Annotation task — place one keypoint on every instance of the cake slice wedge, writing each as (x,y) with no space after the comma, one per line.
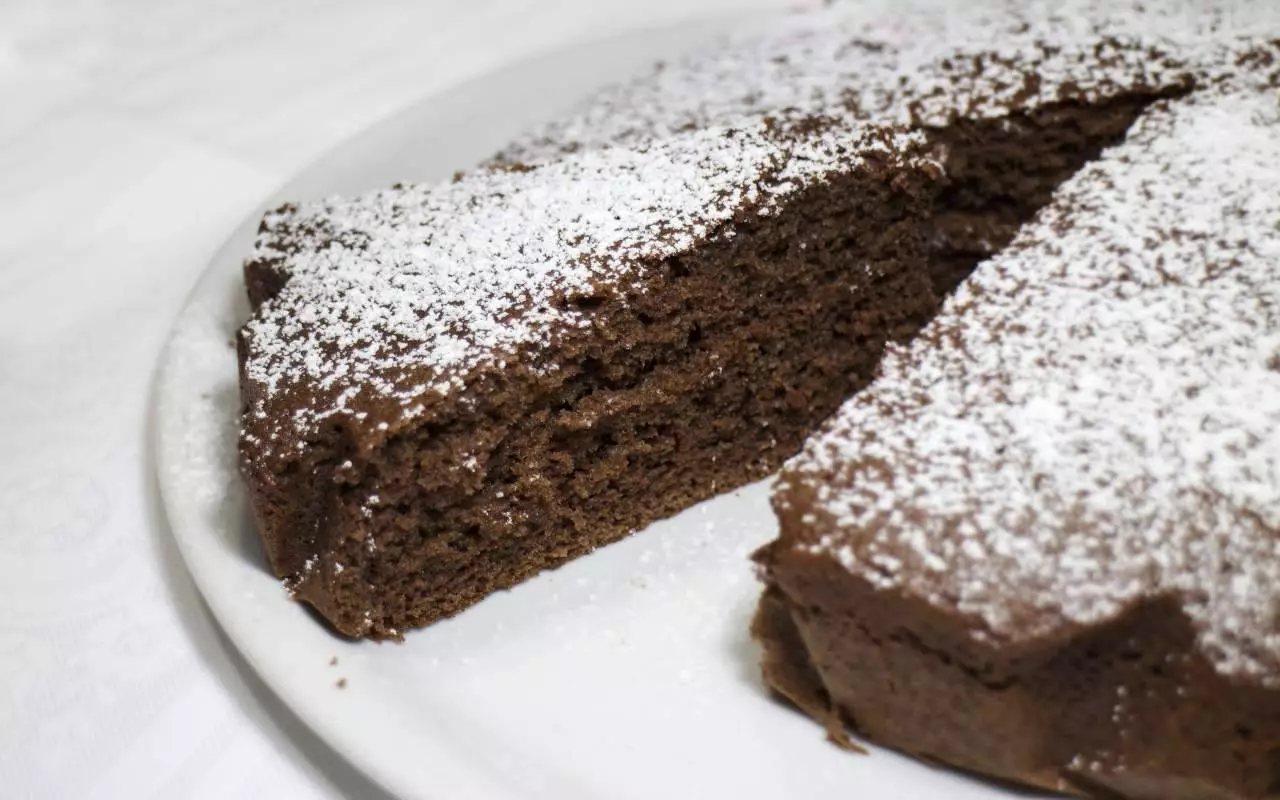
(449,389)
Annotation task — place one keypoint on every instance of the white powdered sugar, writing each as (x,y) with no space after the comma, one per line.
(1094,418)
(396,296)
(919,62)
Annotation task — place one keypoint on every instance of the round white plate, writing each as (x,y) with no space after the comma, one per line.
(626,674)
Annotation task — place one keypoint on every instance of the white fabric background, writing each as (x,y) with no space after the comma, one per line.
(134,135)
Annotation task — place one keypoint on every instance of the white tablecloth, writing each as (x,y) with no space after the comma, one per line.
(134,135)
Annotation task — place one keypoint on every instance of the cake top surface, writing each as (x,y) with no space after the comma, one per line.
(393,297)
(1094,417)
(915,62)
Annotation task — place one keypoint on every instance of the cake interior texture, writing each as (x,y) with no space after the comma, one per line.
(708,379)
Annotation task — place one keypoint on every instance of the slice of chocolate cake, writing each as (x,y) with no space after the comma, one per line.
(452,388)
(1045,543)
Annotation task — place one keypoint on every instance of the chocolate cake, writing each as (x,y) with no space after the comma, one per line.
(662,294)
(1044,544)
(453,388)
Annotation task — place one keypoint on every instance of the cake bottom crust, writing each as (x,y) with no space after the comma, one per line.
(1128,709)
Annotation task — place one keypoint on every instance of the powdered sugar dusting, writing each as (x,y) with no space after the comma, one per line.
(396,296)
(920,62)
(1094,418)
